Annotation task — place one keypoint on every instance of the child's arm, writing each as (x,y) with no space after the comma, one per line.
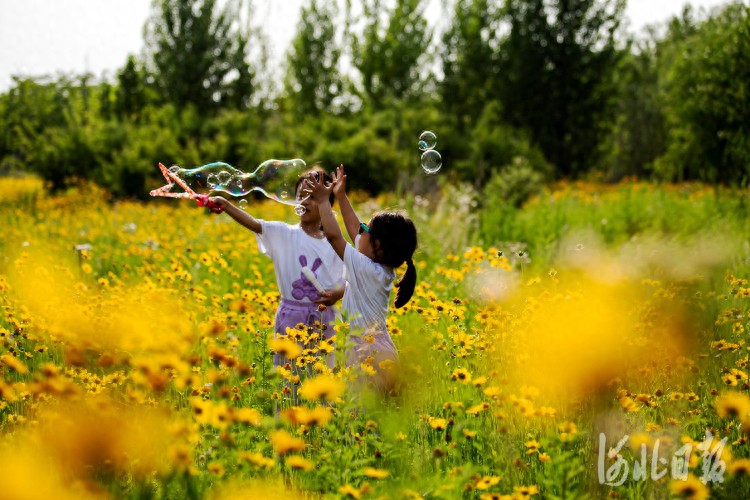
(237,214)
(320,193)
(351,221)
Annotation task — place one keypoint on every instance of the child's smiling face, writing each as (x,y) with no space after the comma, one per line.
(312,212)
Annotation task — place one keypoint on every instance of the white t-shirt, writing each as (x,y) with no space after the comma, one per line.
(290,248)
(367,292)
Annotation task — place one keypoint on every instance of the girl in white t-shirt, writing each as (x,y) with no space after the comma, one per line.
(387,241)
(292,248)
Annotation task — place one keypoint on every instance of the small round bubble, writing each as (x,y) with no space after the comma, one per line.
(427,140)
(213,180)
(284,195)
(431,161)
(243,204)
(174,169)
(300,210)
(224,178)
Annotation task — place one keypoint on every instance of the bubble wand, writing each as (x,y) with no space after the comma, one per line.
(201,199)
(276,179)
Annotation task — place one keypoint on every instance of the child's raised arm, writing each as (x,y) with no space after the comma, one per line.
(321,192)
(237,214)
(351,221)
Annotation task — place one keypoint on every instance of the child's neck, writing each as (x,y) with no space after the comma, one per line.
(312,228)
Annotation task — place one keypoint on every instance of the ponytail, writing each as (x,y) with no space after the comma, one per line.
(394,240)
(406,285)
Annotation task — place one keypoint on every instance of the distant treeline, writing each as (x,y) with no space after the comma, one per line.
(519,92)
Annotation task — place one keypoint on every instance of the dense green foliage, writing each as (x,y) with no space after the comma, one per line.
(519,92)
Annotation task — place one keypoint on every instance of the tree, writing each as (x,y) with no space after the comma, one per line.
(388,59)
(708,100)
(313,79)
(559,58)
(639,134)
(470,60)
(197,51)
(132,93)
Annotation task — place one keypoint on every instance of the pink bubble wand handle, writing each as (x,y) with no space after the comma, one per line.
(203,201)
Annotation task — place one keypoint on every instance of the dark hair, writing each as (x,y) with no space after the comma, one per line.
(313,174)
(394,240)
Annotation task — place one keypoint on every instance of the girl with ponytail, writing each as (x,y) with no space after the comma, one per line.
(383,244)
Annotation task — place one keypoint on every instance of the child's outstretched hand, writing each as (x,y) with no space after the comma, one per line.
(317,188)
(339,181)
(220,204)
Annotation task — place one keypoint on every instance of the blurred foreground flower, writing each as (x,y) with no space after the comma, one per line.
(133,320)
(322,387)
(74,446)
(572,342)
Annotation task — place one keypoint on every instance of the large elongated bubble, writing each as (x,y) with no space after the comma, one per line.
(275,179)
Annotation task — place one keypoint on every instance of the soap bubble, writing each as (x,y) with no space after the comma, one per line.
(174,169)
(243,204)
(224,177)
(431,161)
(300,210)
(276,179)
(427,140)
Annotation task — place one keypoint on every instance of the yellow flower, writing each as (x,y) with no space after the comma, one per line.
(492,392)
(350,491)
(367,369)
(286,347)
(740,467)
(567,428)
(320,416)
(533,446)
(461,375)
(486,482)
(438,424)
(691,488)
(298,462)
(283,442)
(373,473)
(215,468)
(544,458)
(628,404)
(639,439)
(525,491)
(181,457)
(477,408)
(469,433)
(732,405)
(321,387)
(257,459)
(495,496)
(12,362)
(247,416)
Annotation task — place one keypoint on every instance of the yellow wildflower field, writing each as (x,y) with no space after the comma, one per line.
(136,355)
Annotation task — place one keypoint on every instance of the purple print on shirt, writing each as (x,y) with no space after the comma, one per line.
(302,287)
